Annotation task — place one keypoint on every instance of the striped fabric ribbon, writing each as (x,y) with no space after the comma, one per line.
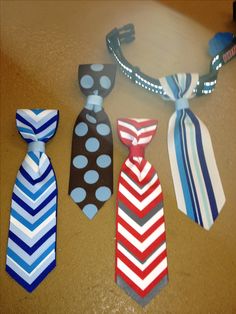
(196,178)
(197,183)
(31,248)
(141,256)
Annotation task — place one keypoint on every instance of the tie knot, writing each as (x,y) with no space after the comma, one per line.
(94,103)
(136,134)
(136,151)
(37,126)
(179,88)
(181,103)
(36,147)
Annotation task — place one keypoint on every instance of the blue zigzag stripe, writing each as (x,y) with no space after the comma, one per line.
(29,268)
(33,226)
(27,208)
(31,250)
(35,196)
(30,179)
(37,281)
(40,129)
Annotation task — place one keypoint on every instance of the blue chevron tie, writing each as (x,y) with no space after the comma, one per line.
(31,249)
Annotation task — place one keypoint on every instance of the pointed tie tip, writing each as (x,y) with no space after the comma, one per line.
(30,287)
(142,301)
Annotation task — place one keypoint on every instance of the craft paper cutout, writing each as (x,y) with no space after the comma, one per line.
(197,183)
(91,170)
(31,248)
(141,256)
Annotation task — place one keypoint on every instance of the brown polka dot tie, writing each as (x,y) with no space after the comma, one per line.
(91,169)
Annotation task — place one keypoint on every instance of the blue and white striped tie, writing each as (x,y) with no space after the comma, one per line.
(31,249)
(197,183)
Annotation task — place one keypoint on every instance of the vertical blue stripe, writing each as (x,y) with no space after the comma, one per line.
(205,172)
(195,196)
(182,167)
(173,86)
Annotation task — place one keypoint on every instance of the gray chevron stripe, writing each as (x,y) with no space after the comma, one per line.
(136,182)
(142,301)
(30,259)
(143,261)
(140,221)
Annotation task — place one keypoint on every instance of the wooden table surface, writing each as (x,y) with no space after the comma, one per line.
(43,42)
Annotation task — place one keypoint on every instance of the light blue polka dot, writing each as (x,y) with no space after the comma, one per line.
(90,210)
(103,193)
(78,195)
(87,81)
(103,161)
(80,161)
(91,119)
(105,82)
(103,129)
(92,144)
(97,67)
(81,129)
(91,176)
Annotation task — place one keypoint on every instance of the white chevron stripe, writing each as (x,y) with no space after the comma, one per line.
(129,137)
(139,190)
(31,242)
(143,204)
(32,165)
(30,277)
(29,233)
(140,229)
(34,188)
(30,171)
(40,116)
(136,262)
(145,140)
(143,130)
(141,246)
(30,259)
(29,200)
(32,219)
(142,140)
(142,284)
(136,171)
(27,135)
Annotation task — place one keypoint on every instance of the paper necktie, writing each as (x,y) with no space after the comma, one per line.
(31,248)
(197,183)
(91,170)
(141,257)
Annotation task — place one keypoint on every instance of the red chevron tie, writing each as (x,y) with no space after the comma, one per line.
(141,257)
